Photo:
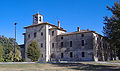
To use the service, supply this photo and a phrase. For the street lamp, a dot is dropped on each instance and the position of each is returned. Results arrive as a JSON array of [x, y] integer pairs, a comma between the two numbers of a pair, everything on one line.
[[15, 41]]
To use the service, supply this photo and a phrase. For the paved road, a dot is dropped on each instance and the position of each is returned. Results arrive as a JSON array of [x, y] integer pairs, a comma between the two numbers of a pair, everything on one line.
[[17, 62], [57, 62], [108, 63]]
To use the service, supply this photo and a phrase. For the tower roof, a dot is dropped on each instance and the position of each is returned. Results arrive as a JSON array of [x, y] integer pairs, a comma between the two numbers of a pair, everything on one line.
[[37, 14]]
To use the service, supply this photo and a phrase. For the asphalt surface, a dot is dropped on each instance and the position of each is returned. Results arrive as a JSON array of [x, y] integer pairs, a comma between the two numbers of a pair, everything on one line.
[[101, 62]]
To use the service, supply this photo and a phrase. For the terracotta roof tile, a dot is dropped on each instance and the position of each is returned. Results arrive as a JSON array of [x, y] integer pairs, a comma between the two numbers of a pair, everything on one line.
[[79, 32], [58, 29], [34, 25], [43, 23]]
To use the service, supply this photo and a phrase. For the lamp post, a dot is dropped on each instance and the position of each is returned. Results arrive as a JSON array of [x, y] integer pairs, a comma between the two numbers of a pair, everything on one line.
[[15, 41]]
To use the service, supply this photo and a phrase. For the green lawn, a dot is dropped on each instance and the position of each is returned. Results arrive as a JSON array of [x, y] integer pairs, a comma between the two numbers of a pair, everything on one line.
[[58, 67]]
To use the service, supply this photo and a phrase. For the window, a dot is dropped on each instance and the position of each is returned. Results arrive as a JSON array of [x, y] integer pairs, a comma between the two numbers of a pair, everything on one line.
[[62, 37], [52, 45], [82, 42], [42, 56], [29, 36], [41, 44], [39, 18], [70, 43], [41, 33], [62, 55], [83, 54], [61, 44], [71, 54], [35, 34], [36, 19], [52, 55], [82, 35], [52, 33]]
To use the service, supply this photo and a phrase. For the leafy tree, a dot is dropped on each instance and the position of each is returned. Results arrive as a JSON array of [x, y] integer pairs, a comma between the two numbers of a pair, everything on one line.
[[33, 51], [112, 26], [1, 52], [8, 49], [17, 56]]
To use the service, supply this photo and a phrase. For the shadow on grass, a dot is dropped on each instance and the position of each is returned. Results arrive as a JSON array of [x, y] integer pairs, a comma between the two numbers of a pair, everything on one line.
[[81, 66]]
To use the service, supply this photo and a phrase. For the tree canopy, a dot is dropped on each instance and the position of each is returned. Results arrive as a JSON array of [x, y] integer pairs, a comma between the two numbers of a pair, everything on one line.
[[8, 49], [33, 51], [112, 26]]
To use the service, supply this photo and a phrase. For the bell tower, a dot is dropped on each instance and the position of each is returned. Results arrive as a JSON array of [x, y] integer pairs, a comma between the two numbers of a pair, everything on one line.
[[37, 18]]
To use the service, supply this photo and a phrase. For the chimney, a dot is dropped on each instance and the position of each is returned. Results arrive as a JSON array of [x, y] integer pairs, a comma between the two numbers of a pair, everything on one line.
[[58, 24], [78, 28]]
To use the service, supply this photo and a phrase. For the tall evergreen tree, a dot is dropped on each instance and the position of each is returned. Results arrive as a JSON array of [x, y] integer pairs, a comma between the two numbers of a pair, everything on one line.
[[112, 26]]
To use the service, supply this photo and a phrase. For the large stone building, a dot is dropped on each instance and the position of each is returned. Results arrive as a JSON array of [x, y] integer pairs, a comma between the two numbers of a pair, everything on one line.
[[57, 45]]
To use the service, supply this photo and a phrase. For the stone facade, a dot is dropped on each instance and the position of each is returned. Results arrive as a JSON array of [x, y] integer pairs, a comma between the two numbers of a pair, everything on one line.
[[55, 44]]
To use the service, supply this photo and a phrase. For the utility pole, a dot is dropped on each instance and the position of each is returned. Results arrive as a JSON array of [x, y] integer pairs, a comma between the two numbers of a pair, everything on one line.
[[15, 41]]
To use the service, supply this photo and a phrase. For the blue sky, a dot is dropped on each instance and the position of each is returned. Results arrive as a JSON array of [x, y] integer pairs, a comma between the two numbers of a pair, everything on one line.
[[71, 13]]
